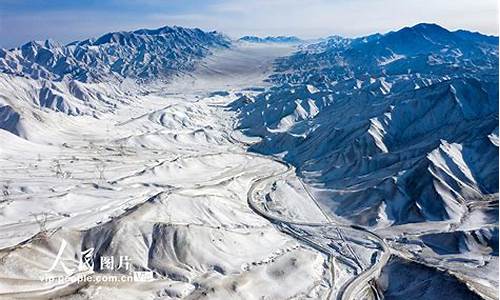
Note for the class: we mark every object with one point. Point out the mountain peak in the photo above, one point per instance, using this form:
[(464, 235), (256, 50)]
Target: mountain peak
[(429, 27), (49, 44), (423, 30)]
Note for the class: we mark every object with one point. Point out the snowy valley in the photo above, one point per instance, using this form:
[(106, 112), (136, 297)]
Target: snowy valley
[(258, 168)]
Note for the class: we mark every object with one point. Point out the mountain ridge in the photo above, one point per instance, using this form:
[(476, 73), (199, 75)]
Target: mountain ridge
[(141, 54)]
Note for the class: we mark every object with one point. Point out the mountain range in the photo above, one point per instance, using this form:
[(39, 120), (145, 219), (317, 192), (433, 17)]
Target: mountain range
[(271, 39), (142, 54), (389, 128)]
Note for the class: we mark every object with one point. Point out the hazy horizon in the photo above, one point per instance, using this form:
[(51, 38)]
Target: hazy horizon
[(67, 21)]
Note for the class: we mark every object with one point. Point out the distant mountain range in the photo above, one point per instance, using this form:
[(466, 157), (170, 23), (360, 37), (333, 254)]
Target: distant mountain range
[(142, 54), (423, 48), (271, 39)]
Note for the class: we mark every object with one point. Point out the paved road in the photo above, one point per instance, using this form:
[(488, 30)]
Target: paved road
[(354, 286)]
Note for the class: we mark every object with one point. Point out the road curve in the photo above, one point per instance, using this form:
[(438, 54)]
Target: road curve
[(351, 288)]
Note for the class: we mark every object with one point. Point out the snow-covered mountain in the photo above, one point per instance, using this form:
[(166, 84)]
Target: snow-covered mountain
[(95, 75), (142, 54), (128, 146), (271, 39), (390, 129), (412, 51)]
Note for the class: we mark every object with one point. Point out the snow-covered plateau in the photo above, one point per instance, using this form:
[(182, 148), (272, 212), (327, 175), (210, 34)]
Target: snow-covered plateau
[(180, 164)]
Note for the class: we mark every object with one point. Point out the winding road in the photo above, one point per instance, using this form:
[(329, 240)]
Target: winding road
[(352, 287)]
